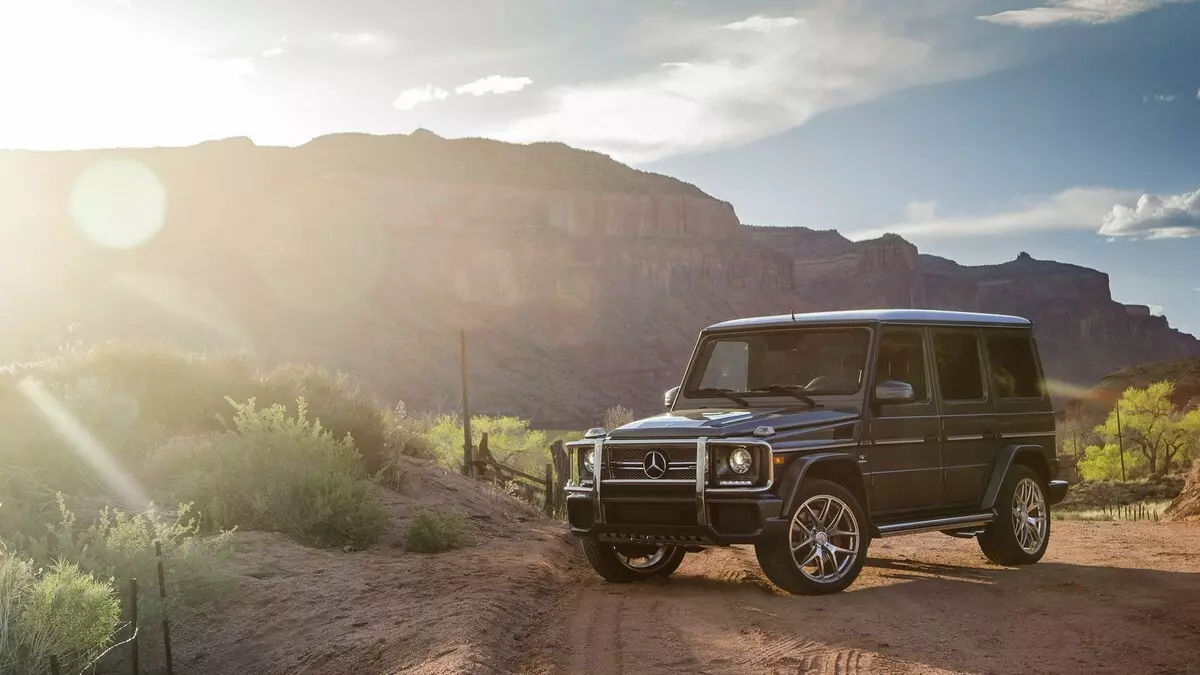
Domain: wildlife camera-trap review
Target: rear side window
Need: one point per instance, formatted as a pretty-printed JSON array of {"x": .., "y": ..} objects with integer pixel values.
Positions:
[
  {"x": 959, "y": 373},
  {"x": 1014, "y": 368},
  {"x": 902, "y": 358}
]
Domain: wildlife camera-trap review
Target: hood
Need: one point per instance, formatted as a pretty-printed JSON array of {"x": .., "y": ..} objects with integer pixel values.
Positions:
[{"x": 716, "y": 423}]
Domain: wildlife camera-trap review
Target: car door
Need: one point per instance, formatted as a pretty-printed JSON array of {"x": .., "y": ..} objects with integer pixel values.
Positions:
[
  {"x": 969, "y": 427},
  {"x": 905, "y": 453}
]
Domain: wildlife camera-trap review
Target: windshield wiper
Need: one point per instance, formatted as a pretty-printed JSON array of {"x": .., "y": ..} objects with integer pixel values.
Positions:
[
  {"x": 727, "y": 393},
  {"x": 793, "y": 390}
]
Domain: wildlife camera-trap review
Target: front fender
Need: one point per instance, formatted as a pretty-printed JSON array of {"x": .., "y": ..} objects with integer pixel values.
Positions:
[
  {"x": 1000, "y": 466},
  {"x": 801, "y": 466}
]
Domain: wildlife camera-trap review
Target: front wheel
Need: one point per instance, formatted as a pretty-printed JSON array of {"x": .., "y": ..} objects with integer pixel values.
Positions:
[
  {"x": 825, "y": 545},
  {"x": 1021, "y": 531},
  {"x": 623, "y": 563}
]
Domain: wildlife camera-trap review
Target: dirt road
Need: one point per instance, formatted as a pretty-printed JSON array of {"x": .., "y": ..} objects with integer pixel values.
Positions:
[
  {"x": 519, "y": 598},
  {"x": 1108, "y": 598}
]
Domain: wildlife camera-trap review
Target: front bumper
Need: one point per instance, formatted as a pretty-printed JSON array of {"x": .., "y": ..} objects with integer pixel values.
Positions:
[
  {"x": 1057, "y": 492},
  {"x": 669, "y": 519}
]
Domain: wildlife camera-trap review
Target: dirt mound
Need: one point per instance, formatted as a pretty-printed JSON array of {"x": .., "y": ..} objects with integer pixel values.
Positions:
[
  {"x": 1186, "y": 507},
  {"x": 384, "y": 610}
]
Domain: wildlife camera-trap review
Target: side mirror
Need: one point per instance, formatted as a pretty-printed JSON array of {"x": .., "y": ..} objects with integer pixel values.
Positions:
[
  {"x": 669, "y": 397},
  {"x": 894, "y": 391}
]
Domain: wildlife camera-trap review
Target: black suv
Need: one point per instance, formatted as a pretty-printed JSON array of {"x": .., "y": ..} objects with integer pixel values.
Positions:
[{"x": 807, "y": 435}]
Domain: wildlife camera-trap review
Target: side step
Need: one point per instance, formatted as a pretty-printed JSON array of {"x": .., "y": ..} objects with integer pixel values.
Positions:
[{"x": 935, "y": 524}]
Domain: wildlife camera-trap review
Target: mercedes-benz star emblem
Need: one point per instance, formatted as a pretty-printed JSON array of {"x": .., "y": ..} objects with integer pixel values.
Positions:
[{"x": 654, "y": 464}]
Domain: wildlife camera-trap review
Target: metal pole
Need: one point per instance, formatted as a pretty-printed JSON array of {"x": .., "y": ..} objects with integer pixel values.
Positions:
[
  {"x": 162, "y": 596},
  {"x": 133, "y": 628},
  {"x": 468, "y": 454},
  {"x": 1120, "y": 440}
]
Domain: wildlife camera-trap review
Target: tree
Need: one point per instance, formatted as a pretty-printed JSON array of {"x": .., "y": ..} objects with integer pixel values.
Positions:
[{"x": 1151, "y": 427}]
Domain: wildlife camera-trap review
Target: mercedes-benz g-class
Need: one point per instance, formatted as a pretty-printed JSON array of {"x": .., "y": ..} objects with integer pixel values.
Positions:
[{"x": 808, "y": 435}]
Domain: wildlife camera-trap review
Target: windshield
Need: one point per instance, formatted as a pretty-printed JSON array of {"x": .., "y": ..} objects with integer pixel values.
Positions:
[{"x": 813, "y": 361}]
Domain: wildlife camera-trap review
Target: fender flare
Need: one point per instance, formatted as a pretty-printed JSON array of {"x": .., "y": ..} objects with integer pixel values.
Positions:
[
  {"x": 1001, "y": 465},
  {"x": 799, "y": 467}
]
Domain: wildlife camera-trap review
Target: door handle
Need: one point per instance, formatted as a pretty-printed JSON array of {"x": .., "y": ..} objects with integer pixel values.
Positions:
[{"x": 932, "y": 438}]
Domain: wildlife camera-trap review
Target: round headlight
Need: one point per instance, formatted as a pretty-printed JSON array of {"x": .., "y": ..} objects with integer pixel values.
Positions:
[
  {"x": 589, "y": 459},
  {"x": 740, "y": 460}
]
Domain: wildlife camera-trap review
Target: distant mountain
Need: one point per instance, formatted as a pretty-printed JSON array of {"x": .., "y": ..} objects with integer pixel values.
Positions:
[{"x": 581, "y": 282}]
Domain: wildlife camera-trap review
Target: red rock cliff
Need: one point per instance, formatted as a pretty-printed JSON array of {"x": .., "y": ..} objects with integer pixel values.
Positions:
[{"x": 581, "y": 282}]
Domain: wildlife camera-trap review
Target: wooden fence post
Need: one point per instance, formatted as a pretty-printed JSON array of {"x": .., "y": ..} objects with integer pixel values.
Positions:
[
  {"x": 484, "y": 458},
  {"x": 550, "y": 491},
  {"x": 562, "y": 469},
  {"x": 162, "y": 596}
]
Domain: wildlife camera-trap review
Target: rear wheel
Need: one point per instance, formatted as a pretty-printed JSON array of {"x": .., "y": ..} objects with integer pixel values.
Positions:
[
  {"x": 825, "y": 545},
  {"x": 1021, "y": 532},
  {"x": 623, "y": 563}
]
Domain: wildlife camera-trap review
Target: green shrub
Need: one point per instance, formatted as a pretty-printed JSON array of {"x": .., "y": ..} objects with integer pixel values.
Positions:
[
  {"x": 63, "y": 612},
  {"x": 343, "y": 408},
  {"x": 121, "y": 547},
  {"x": 285, "y": 474},
  {"x": 434, "y": 531}
]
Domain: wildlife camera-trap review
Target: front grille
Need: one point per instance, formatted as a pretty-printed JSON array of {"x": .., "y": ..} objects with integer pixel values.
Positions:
[
  {"x": 627, "y": 463},
  {"x": 734, "y": 518},
  {"x": 625, "y": 453},
  {"x": 638, "y": 513},
  {"x": 580, "y": 513}
]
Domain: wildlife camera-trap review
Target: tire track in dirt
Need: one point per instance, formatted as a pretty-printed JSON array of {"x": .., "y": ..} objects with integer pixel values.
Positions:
[{"x": 927, "y": 604}]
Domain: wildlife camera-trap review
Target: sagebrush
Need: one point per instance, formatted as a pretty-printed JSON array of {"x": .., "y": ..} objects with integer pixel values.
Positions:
[
  {"x": 435, "y": 531},
  {"x": 284, "y": 473}
]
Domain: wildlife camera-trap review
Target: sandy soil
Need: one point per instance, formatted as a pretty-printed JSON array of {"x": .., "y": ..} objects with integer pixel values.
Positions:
[{"x": 1108, "y": 598}]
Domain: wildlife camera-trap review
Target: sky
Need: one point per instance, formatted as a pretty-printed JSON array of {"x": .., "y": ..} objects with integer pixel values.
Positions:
[{"x": 977, "y": 129}]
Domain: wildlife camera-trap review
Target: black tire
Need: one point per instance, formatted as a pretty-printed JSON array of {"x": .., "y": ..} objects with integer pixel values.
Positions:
[
  {"x": 605, "y": 560},
  {"x": 1000, "y": 542},
  {"x": 785, "y": 571}
]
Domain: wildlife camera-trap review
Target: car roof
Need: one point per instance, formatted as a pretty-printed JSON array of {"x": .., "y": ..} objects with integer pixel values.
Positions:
[{"x": 917, "y": 316}]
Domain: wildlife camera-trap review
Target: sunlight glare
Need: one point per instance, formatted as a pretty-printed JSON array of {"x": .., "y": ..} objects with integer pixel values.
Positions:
[
  {"x": 118, "y": 203},
  {"x": 85, "y": 444}
]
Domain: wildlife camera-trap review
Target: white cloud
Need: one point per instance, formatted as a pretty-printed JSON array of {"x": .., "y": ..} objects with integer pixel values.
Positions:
[
  {"x": 411, "y": 98},
  {"x": 1076, "y": 11},
  {"x": 364, "y": 43},
  {"x": 1198, "y": 94},
  {"x": 762, "y": 24},
  {"x": 1155, "y": 310},
  {"x": 1155, "y": 217},
  {"x": 494, "y": 84},
  {"x": 724, "y": 88},
  {"x": 1158, "y": 98},
  {"x": 1073, "y": 209},
  {"x": 272, "y": 52}
]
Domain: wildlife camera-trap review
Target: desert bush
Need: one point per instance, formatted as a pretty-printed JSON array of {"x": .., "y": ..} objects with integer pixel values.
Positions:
[
  {"x": 618, "y": 416},
  {"x": 284, "y": 473},
  {"x": 63, "y": 612},
  {"x": 342, "y": 406},
  {"x": 120, "y": 547},
  {"x": 435, "y": 531},
  {"x": 150, "y": 393}
]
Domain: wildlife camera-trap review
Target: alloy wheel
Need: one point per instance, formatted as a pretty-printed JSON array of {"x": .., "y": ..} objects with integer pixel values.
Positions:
[
  {"x": 824, "y": 538},
  {"x": 1029, "y": 515}
]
